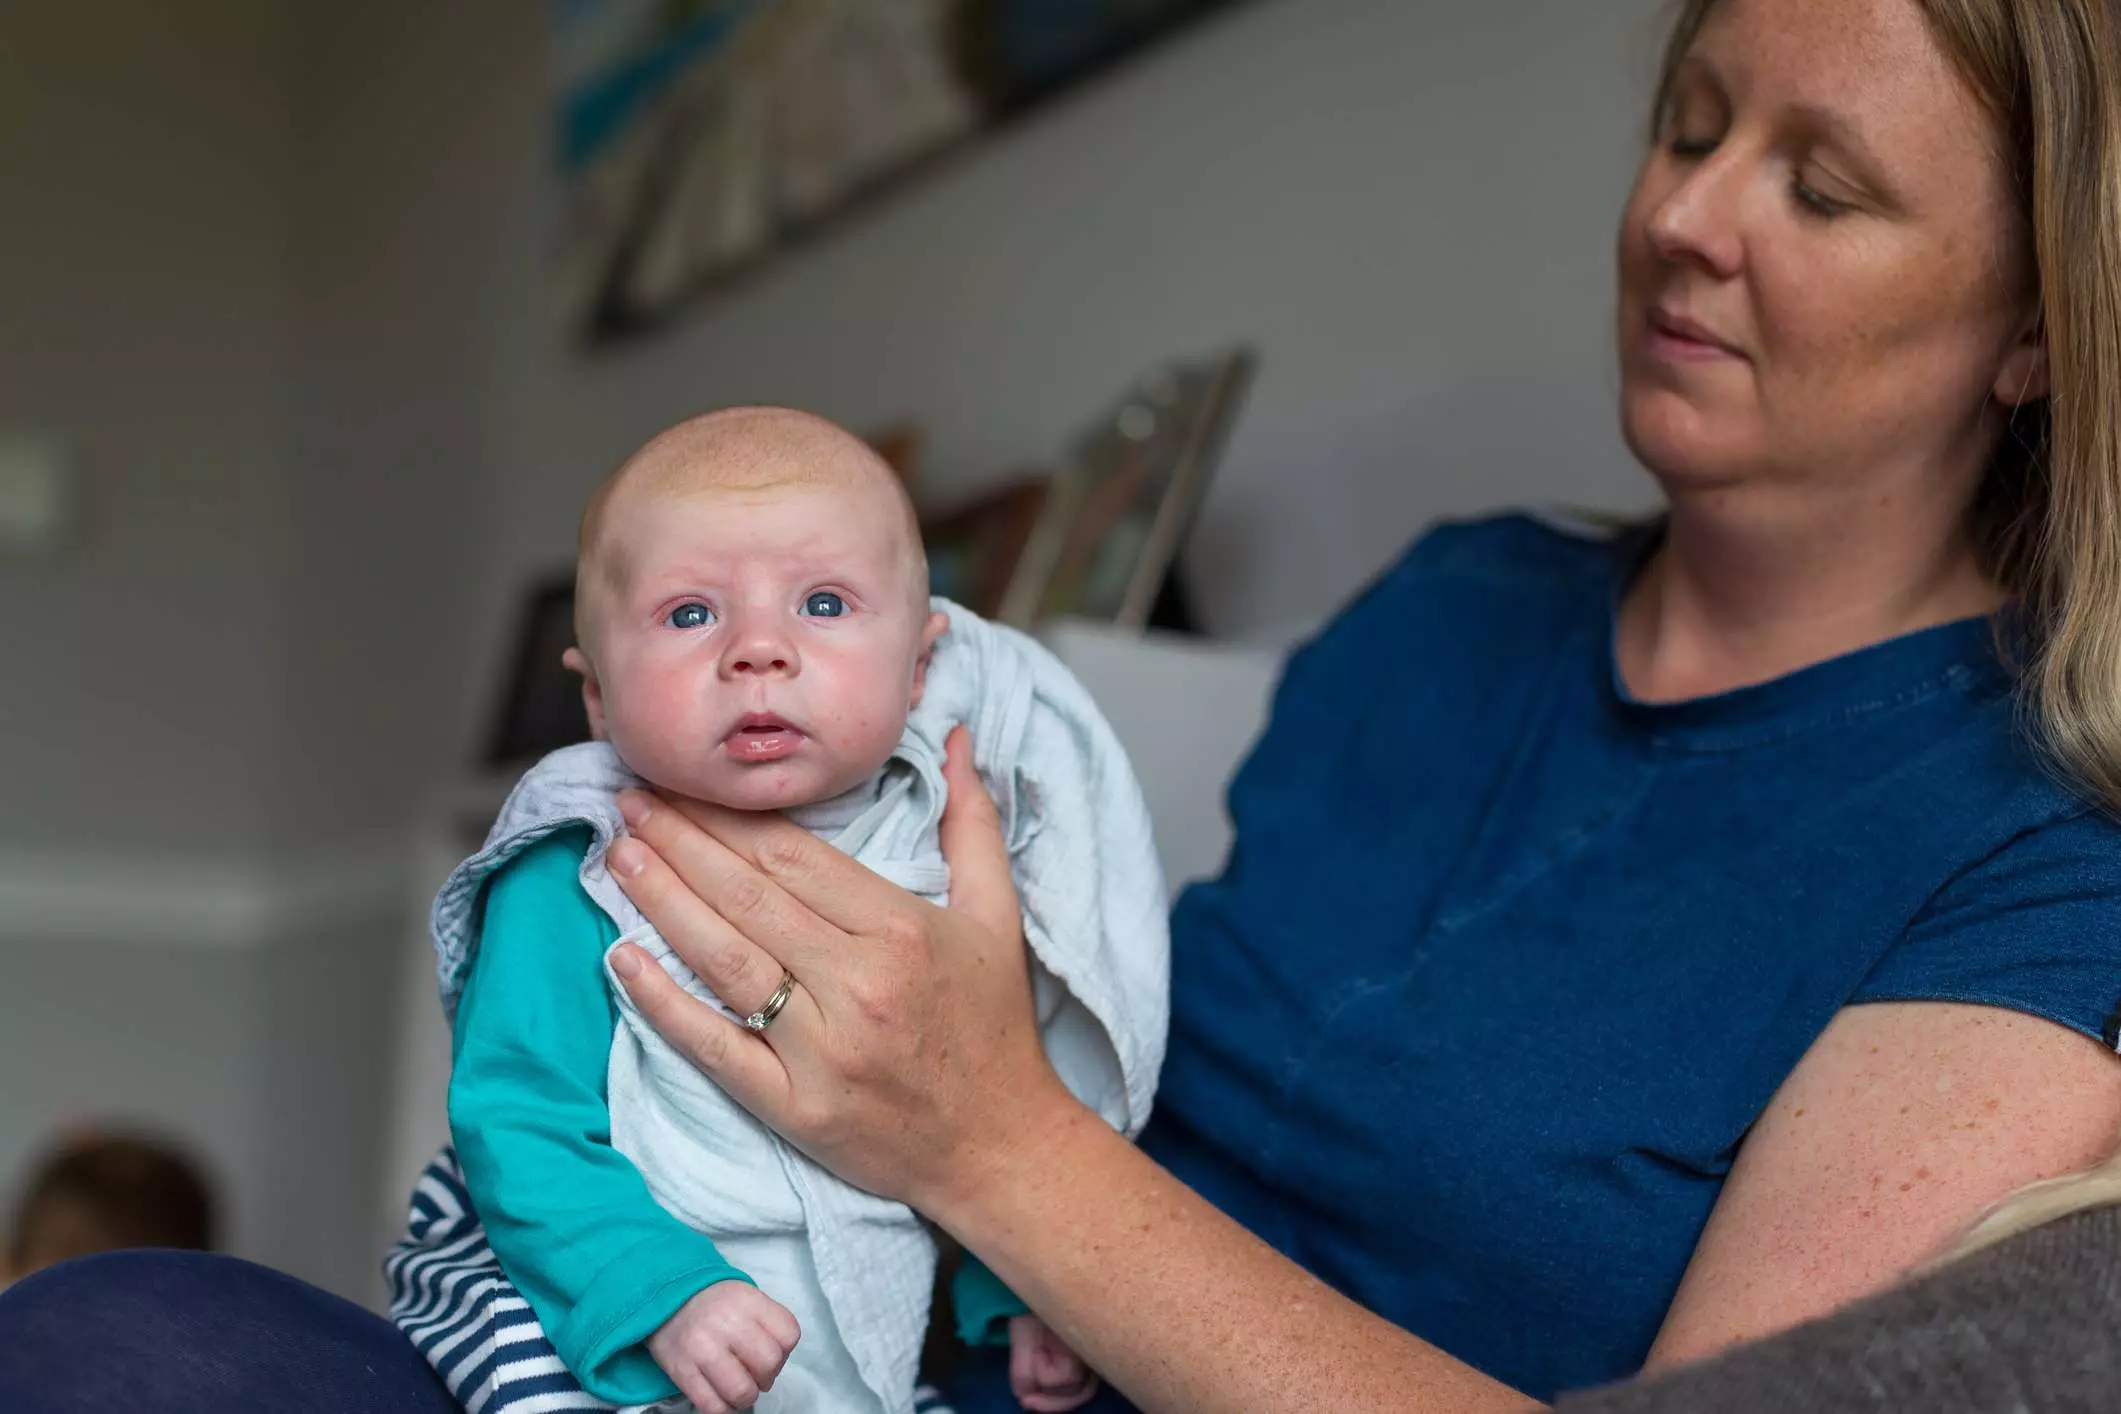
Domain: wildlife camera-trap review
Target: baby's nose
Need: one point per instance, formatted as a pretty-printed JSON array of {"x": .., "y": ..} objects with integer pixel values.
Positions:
[
  {"x": 763, "y": 661},
  {"x": 759, "y": 653}
]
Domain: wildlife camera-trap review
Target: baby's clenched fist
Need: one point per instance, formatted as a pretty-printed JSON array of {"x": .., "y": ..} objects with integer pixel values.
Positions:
[
  {"x": 1044, "y": 1374},
  {"x": 725, "y": 1346}
]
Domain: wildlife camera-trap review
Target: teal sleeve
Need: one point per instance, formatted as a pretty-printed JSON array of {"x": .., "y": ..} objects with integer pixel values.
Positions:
[
  {"x": 571, "y": 1219},
  {"x": 982, "y": 1303}
]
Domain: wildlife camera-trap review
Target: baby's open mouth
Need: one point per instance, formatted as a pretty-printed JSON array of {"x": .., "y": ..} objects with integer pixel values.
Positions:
[{"x": 762, "y": 737}]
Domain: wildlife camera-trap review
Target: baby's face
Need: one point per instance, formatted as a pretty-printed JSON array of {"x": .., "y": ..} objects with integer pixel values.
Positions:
[{"x": 758, "y": 648}]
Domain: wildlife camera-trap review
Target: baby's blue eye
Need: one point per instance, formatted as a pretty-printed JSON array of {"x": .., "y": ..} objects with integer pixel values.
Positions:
[
  {"x": 691, "y": 616},
  {"x": 824, "y": 605}
]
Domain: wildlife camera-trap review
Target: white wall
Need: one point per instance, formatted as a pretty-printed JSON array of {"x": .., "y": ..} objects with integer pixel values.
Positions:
[
  {"x": 163, "y": 956},
  {"x": 145, "y": 163}
]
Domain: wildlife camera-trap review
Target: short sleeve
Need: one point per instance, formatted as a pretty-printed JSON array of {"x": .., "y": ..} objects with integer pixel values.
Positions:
[{"x": 2034, "y": 927}]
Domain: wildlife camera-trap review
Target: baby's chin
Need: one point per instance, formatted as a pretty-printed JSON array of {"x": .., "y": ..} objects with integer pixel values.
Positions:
[{"x": 777, "y": 785}]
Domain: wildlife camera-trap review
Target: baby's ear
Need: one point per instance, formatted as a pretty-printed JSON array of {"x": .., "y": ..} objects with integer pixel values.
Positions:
[
  {"x": 574, "y": 660},
  {"x": 930, "y": 631}
]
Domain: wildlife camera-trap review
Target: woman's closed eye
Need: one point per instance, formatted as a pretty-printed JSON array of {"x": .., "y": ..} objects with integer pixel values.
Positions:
[
  {"x": 690, "y": 616},
  {"x": 1808, "y": 197},
  {"x": 1817, "y": 202},
  {"x": 824, "y": 604}
]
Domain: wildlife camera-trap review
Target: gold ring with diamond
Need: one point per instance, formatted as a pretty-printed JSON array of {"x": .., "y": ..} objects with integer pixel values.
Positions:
[{"x": 763, "y": 1017}]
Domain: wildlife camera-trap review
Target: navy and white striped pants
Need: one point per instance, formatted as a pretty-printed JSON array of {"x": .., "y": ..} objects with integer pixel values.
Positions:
[{"x": 450, "y": 1297}]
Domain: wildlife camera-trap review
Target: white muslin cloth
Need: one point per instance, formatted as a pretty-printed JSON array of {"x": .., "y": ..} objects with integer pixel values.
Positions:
[{"x": 857, "y": 1270}]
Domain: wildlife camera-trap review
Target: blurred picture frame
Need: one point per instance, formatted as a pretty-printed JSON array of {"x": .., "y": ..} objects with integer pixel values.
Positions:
[
  {"x": 1111, "y": 524},
  {"x": 695, "y": 140},
  {"x": 540, "y": 707},
  {"x": 975, "y": 547}
]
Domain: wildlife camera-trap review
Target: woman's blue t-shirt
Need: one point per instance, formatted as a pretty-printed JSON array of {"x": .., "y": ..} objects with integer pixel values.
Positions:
[{"x": 1503, "y": 963}]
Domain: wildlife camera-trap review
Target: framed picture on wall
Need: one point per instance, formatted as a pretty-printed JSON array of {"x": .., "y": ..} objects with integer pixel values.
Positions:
[
  {"x": 541, "y": 701},
  {"x": 1110, "y": 527},
  {"x": 974, "y": 548},
  {"x": 695, "y": 139}
]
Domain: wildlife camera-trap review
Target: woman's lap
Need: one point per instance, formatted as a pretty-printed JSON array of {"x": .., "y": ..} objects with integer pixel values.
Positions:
[{"x": 154, "y": 1332}]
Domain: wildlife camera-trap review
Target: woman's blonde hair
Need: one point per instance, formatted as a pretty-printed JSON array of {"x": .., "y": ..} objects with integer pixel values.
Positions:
[{"x": 2048, "y": 515}]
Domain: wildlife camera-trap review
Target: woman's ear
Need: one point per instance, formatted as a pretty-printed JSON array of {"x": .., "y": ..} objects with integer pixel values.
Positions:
[
  {"x": 930, "y": 631},
  {"x": 574, "y": 660},
  {"x": 2023, "y": 378}
]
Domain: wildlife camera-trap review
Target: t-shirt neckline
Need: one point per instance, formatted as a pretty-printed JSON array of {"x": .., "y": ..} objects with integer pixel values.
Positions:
[{"x": 1961, "y": 654}]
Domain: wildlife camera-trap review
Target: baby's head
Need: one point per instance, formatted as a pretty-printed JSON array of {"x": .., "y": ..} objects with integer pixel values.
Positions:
[
  {"x": 751, "y": 610},
  {"x": 95, "y": 1192}
]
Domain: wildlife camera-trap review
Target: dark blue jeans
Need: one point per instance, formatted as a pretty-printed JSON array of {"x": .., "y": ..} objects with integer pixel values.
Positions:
[{"x": 196, "y": 1333}]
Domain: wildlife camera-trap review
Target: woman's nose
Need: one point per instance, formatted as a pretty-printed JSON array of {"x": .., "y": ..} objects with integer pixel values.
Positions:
[{"x": 1697, "y": 221}]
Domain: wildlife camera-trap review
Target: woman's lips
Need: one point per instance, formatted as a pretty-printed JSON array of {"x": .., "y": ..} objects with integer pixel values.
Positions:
[
  {"x": 762, "y": 738},
  {"x": 1679, "y": 340}
]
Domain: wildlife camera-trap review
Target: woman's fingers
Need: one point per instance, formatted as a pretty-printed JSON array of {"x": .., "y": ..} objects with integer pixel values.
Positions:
[
  {"x": 973, "y": 845},
  {"x": 827, "y": 882},
  {"x": 714, "y": 920},
  {"x": 750, "y": 896},
  {"x": 739, "y": 1062}
]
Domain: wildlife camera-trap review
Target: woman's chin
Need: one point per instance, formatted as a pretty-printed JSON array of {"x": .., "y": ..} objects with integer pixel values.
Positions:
[{"x": 1676, "y": 444}]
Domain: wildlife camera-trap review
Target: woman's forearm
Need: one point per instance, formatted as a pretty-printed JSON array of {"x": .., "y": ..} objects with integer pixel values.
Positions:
[{"x": 1181, "y": 1308}]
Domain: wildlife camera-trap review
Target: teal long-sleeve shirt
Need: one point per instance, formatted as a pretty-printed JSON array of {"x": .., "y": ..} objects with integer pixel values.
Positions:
[{"x": 572, "y": 1221}]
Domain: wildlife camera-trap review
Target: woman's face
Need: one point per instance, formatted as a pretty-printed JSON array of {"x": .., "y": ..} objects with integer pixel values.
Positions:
[{"x": 1822, "y": 279}]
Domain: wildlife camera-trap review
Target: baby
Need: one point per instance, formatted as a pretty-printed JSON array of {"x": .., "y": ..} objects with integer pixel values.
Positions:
[{"x": 755, "y": 630}]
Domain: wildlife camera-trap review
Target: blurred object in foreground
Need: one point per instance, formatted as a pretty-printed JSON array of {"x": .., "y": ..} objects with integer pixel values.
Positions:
[{"x": 99, "y": 1192}]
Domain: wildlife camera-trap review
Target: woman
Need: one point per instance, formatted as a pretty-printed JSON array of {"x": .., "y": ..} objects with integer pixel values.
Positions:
[
  {"x": 1631, "y": 945},
  {"x": 1677, "y": 970}
]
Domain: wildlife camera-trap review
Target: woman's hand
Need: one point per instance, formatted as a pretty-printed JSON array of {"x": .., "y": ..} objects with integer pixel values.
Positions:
[
  {"x": 907, "y": 1061},
  {"x": 908, "y": 1050}
]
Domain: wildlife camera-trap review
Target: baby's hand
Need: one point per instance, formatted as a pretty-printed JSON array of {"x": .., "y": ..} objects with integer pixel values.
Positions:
[
  {"x": 1044, "y": 1373},
  {"x": 725, "y": 1346}
]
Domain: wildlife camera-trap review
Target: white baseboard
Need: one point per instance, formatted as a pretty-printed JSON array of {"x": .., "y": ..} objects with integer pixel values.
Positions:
[{"x": 199, "y": 902}]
